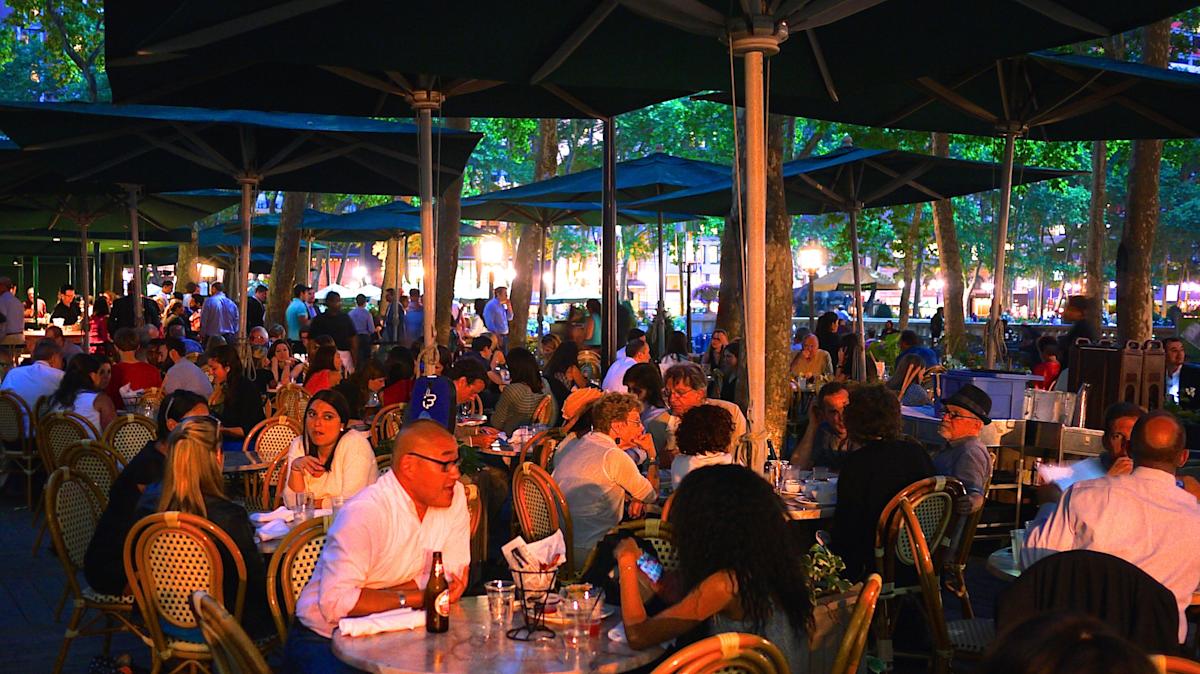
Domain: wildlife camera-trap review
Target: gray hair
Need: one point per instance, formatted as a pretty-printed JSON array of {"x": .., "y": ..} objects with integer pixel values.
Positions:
[
  {"x": 687, "y": 373},
  {"x": 612, "y": 407}
]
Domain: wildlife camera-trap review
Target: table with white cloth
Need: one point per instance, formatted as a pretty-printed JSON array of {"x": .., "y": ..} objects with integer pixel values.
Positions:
[{"x": 473, "y": 645}]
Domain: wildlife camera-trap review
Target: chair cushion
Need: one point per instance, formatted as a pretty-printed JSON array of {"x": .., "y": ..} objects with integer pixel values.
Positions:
[
  {"x": 101, "y": 598},
  {"x": 971, "y": 636}
]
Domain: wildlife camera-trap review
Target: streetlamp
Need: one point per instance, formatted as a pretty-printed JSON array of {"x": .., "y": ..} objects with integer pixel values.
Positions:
[
  {"x": 812, "y": 258},
  {"x": 491, "y": 252}
]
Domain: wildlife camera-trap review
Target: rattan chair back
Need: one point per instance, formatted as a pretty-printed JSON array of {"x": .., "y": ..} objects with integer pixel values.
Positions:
[
  {"x": 530, "y": 449},
  {"x": 474, "y": 506},
  {"x": 383, "y": 463},
  {"x": 1173, "y": 664},
  {"x": 96, "y": 460},
  {"x": 271, "y": 437},
  {"x": 168, "y": 557},
  {"x": 233, "y": 652},
  {"x": 932, "y": 500},
  {"x": 954, "y": 569},
  {"x": 16, "y": 445},
  {"x": 589, "y": 365},
  {"x": 386, "y": 424},
  {"x": 153, "y": 396},
  {"x": 58, "y": 431},
  {"x": 544, "y": 412},
  {"x": 128, "y": 434},
  {"x": 292, "y": 565},
  {"x": 266, "y": 490},
  {"x": 291, "y": 400},
  {"x": 658, "y": 533},
  {"x": 541, "y": 508},
  {"x": 854, "y": 641},
  {"x": 728, "y": 653}
]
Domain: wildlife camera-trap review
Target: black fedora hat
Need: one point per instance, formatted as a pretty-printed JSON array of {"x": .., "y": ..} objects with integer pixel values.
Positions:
[{"x": 972, "y": 399}]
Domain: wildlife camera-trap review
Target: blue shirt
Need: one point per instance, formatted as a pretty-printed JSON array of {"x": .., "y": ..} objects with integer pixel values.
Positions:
[
  {"x": 364, "y": 323},
  {"x": 927, "y": 354},
  {"x": 414, "y": 324},
  {"x": 218, "y": 316},
  {"x": 967, "y": 460},
  {"x": 296, "y": 310},
  {"x": 496, "y": 317}
]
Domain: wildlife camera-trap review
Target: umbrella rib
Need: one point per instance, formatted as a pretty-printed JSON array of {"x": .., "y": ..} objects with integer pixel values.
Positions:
[
  {"x": 1059, "y": 111},
  {"x": 928, "y": 99},
  {"x": 234, "y": 27},
  {"x": 370, "y": 165},
  {"x": 907, "y": 178},
  {"x": 574, "y": 40},
  {"x": 220, "y": 167},
  {"x": 1004, "y": 102},
  {"x": 916, "y": 185},
  {"x": 468, "y": 86},
  {"x": 572, "y": 101},
  {"x": 831, "y": 195},
  {"x": 378, "y": 149},
  {"x": 953, "y": 98},
  {"x": 400, "y": 80},
  {"x": 286, "y": 151},
  {"x": 1155, "y": 117},
  {"x": 822, "y": 66},
  {"x": 365, "y": 80},
  {"x": 314, "y": 158},
  {"x": 1056, "y": 12},
  {"x": 1083, "y": 87},
  {"x": 85, "y": 138},
  {"x": 213, "y": 155}
]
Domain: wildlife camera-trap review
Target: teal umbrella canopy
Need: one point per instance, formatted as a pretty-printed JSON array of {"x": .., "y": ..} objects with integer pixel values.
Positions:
[
  {"x": 377, "y": 223},
  {"x": 1044, "y": 96},
  {"x": 163, "y": 217},
  {"x": 552, "y": 213},
  {"x": 179, "y": 52},
  {"x": 167, "y": 149},
  {"x": 852, "y": 178}
]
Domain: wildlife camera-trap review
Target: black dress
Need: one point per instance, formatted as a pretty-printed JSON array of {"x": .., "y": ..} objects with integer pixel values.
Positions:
[
  {"x": 244, "y": 409},
  {"x": 103, "y": 563},
  {"x": 870, "y": 477}
]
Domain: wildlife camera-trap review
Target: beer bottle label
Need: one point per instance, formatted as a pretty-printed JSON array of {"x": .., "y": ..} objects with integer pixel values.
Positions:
[{"x": 442, "y": 603}]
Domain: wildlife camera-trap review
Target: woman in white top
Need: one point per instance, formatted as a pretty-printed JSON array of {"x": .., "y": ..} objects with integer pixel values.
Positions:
[
  {"x": 284, "y": 367},
  {"x": 703, "y": 439},
  {"x": 328, "y": 460},
  {"x": 677, "y": 351},
  {"x": 80, "y": 392}
]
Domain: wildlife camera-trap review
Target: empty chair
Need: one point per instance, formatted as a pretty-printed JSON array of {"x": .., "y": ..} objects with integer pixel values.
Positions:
[
  {"x": 729, "y": 652},
  {"x": 128, "y": 434}
]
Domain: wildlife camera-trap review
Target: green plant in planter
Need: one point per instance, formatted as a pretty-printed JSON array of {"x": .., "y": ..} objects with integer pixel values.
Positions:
[{"x": 824, "y": 570}]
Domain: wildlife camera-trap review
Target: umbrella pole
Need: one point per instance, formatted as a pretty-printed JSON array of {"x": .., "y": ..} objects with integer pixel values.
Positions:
[
  {"x": 424, "y": 108},
  {"x": 994, "y": 335},
  {"x": 308, "y": 265},
  {"x": 687, "y": 286},
  {"x": 608, "y": 243},
  {"x": 84, "y": 286},
  {"x": 248, "y": 185},
  {"x": 860, "y": 367},
  {"x": 138, "y": 318},
  {"x": 661, "y": 316},
  {"x": 541, "y": 315}
]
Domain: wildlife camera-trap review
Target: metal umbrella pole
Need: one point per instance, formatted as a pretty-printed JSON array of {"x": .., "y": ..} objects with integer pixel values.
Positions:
[
  {"x": 995, "y": 335},
  {"x": 860, "y": 366},
  {"x": 134, "y": 232},
  {"x": 608, "y": 243},
  {"x": 248, "y": 184},
  {"x": 424, "y": 103},
  {"x": 661, "y": 316},
  {"x": 84, "y": 284},
  {"x": 541, "y": 280}
]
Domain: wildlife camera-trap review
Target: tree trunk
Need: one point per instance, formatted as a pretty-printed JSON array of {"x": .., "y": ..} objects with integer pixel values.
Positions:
[
  {"x": 525, "y": 259},
  {"x": 287, "y": 256},
  {"x": 954, "y": 338},
  {"x": 778, "y": 278},
  {"x": 912, "y": 245},
  {"x": 1135, "y": 303},
  {"x": 187, "y": 267},
  {"x": 449, "y": 214},
  {"x": 730, "y": 300}
]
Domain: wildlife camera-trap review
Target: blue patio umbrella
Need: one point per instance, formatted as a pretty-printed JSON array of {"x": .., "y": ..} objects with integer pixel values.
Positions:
[{"x": 850, "y": 179}]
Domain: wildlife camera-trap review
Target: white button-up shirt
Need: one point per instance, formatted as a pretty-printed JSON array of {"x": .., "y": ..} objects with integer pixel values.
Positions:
[
  {"x": 1143, "y": 518},
  {"x": 614, "y": 379},
  {"x": 33, "y": 381},
  {"x": 376, "y": 542}
]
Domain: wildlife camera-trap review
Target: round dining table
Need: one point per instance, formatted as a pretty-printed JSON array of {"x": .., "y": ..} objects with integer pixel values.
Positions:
[{"x": 473, "y": 644}]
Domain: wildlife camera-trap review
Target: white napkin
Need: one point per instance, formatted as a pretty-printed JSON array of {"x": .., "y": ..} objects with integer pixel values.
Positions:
[
  {"x": 273, "y": 529},
  {"x": 387, "y": 621},
  {"x": 322, "y": 512},
  {"x": 280, "y": 513}
]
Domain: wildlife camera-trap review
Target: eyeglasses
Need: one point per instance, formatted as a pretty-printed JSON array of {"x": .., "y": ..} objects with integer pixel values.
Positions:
[
  {"x": 678, "y": 393},
  {"x": 446, "y": 465},
  {"x": 955, "y": 415}
]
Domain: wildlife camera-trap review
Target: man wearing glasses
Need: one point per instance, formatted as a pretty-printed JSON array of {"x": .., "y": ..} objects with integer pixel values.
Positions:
[
  {"x": 686, "y": 387},
  {"x": 378, "y": 553},
  {"x": 965, "y": 457}
]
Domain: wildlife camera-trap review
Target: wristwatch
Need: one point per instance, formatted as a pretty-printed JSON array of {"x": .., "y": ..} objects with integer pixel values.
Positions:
[{"x": 403, "y": 599}]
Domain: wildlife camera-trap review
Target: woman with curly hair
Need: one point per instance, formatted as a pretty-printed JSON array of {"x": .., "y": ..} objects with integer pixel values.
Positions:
[
  {"x": 702, "y": 439},
  {"x": 885, "y": 463},
  {"x": 739, "y": 568}
]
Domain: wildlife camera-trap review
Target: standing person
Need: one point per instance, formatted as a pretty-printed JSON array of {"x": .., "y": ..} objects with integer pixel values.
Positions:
[
  {"x": 164, "y": 295},
  {"x": 496, "y": 315},
  {"x": 128, "y": 370},
  {"x": 1183, "y": 378},
  {"x": 256, "y": 308},
  {"x": 414, "y": 317},
  {"x": 364, "y": 328},
  {"x": 12, "y": 316},
  {"x": 937, "y": 324},
  {"x": 35, "y": 307},
  {"x": 219, "y": 316},
  {"x": 1081, "y": 328},
  {"x": 337, "y": 325},
  {"x": 37, "y": 378},
  {"x": 122, "y": 314},
  {"x": 329, "y": 459},
  {"x": 296, "y": 314},
  {"x": 98, "y": 334},
  {"x": 827, "y": 334},
  {"x": 477, "y": 325},
  {"x": 594, "y": 330},
  {"x": 67, "y": 307},
  {"x": 235, "y": 399}
]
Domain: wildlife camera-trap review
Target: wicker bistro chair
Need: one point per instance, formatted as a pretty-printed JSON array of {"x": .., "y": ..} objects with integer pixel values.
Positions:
[
  {"x": 97, "y": 461},
  {"x": 1173, "y": 664},
  {"x": 168, "y": 557},
  {"x": 128, "y": 434},
  {"x": 544, "y": 412},
  {"x": 541, "y": 509},
  {"x": 291, "y": 566},
  {"x": 291, "y": 401},
  {"x": 72, "y": 511},
  {"x": 932, "y": 500},
  {"x": 59, "y": 430},
  {"x": 532, "y": 448},
  {"x": 268, "y": 493},
  {"x": 16, "y": 445},
  {"x": 272, "y": 437},
  {"x": 954, "y": 570},
  {"x": 589, "y": 364},
  {"x": 854, "y": 642},
  {"x": 658, "y": 533},
  {"x": 233, "y": 652},
  {"x": 728, "y": 653},
  {"x": 383, "y": 463},
  {"x": 386, "y": 424}
]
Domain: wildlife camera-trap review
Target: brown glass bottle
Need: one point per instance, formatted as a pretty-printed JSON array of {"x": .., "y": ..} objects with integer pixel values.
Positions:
[{"x": 437, "y": 598}]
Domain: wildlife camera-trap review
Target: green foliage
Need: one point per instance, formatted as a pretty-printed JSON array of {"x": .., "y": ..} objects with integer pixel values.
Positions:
[
  {"x": 824, "y": 569},
  {"x": 62, "y": 43}
]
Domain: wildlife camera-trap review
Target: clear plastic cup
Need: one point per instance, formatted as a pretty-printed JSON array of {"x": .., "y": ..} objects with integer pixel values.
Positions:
[
  {"x": 1018, "y": 542},
  {"x": 337, "y": 503},
  {"x": 500, "y": 595}
]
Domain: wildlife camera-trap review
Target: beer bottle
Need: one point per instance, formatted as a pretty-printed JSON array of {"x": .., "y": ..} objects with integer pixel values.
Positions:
[{"x": 437, "y": 598}]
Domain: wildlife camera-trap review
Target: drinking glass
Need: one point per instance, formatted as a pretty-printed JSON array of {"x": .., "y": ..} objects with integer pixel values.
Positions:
[
  {"x": 582, "y": 609},
  {"x": 310, "y": 506},
  {"x": 500, "y": 594},
  {"x": 337, "y": 503},
  {"x": 1018, "y": 542},
  {"x": 299, "y": 507}
]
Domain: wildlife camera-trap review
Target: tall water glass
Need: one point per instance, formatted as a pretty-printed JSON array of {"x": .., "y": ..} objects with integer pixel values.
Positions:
[{"x": 500, "y": 594}]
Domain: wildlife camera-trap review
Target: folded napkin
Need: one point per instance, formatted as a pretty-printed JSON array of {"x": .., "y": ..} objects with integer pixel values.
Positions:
[
  {"x": 273, "y": 529},
  {"x": 322, "y": 512},
  {"x": 386, "y": 621},
  {"x": 280, "y": 513}
]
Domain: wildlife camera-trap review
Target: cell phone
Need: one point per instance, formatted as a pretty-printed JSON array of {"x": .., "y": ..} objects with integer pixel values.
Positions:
[{"x": 650, "y": 566}]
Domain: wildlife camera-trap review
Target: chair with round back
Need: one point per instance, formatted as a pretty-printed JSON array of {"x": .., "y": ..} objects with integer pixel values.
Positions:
[
  {"x": 153, "y": 396},
  {"x": 531, "y": 449},
  {"x": 272, "y": 437},
  {"x": 544, "y": 412},
  {"x": 73, "y": 507},
  {"x": 292, "y": 565},
  {"x": 291, "y": 401},
  {"x": 589, "y": 364},
  {"x": 383, "y": 463},
  {"x": 728, "y": 653},
  {"x": 854, "y": 641},
  {"x": 658, "y": 533},
  {"x": 474, "y": 507},
  {"x": 1173, "y": 664},
  {"x": 233, "y": 652},
  {"x": 168, "y": 557},
  {"x": 268, "y": 493},
  {"x": 16, "y": 444},
  {"x": 541, "y": 509},
  {"x": 95, "y": 460},
  {"x": 954, "y": 569},
  {"x": 932, "y": 501},
  {"x": 386, "y": 424},
  {"x": 58, "y": 431},
  {"x": 128, "y": 434}
]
